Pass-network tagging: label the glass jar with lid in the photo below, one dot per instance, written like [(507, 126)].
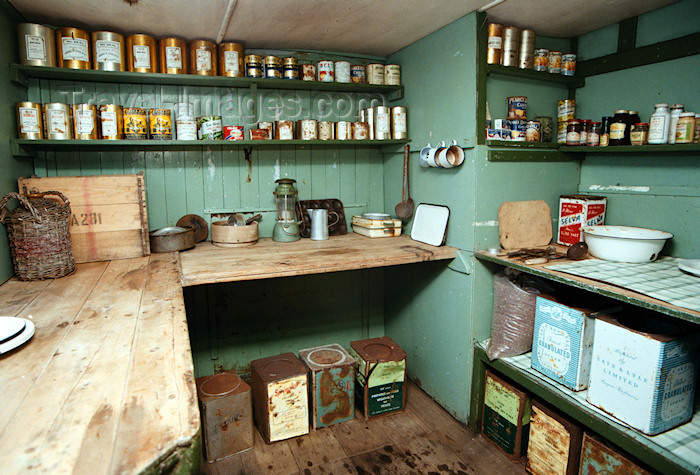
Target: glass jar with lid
[(619, 128), (676, 110), (639, 133), (593, 139), (573, 132), (685, 129)]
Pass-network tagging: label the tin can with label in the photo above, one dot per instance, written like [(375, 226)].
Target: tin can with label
[(357, 74), (526, 58), (382, 123), (326, 130), (342, 71), (186, 127), (532, 131), (231, 60), (511, 46), (343, 130), (399, 129), (141, 54), (29, 120), (160, 124), (209, 127), (561, 132), (85, 122), (554, 62), (326, 71), (545, 128), (284, 130), (360, 130), (185, 109), (290, 68), (308, 72), (568, 64), (203, 58), (392, 75), (37, 44), (172, 53), (73, 48), (541, 59), (495, 43), (375, 73), (517, 107), (58, 122), (566, 110), (368, 115), (135, 123), (233, 132), (273, 67), (108, 51), (259, 134), (253, 66), (270, 127), (518, 130), (307, 129), (111, 122)]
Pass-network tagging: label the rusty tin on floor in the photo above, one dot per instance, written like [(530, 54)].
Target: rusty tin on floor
[(280, 397), (506, 416), (226, 405), (598, 457), (554, 442), (380, 376), (331, 384)]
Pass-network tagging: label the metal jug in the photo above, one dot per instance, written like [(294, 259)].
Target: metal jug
[(319, 223)]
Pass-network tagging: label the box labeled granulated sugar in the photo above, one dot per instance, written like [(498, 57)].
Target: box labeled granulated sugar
[(576, 211)]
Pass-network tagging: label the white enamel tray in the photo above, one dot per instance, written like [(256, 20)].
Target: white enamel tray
[(430, 224), (14, 332)]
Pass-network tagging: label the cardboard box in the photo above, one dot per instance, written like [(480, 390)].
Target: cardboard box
[(562, 341), (506, 416), (576, 211), (554, 442), (600, 458), (643, 371)]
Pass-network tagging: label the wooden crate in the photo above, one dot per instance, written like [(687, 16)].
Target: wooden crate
[(108, 214), (506, 416), (554, 442)]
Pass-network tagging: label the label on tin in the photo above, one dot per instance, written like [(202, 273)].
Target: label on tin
[(202, 59), (58, 122), (383, 123), (325, 71), (231, 62), (285, 131), (288, 408), (109, 123), (495, 42), (399, 123), (160, 126), (28, 120), (357, 74), (142, 56), (343, 130), (617, 131), (36, 47), (74, 49), (173, 57), (186, 129), (135, 125), (85, 121), (210, 130), (107, 51)]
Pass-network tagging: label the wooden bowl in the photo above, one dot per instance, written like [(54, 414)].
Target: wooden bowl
[(226, 235)]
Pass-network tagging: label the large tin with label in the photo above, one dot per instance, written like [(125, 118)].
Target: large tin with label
[(506, 416), (231, 60), (554, 442), (112, 122), (37, 44), (331, 384), (141, 54), (57, 119), (108, 51), (203, 58), (380, 376), (280, 397), (85, 122), (172, 54), (73, 48), (29, 120)]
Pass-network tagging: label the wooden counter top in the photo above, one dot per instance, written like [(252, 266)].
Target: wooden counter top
[(207, 264)]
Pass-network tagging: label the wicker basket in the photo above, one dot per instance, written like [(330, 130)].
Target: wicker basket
[(39, 234)]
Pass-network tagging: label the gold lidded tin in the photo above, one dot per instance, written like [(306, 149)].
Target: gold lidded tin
[(172, 54), (37, 44), (135, 123), (231, 60), (112, 122), (526, 58), (284, 130), (399, 129), (392, 75), (511, 46), (326, 130), (375, 73), (141, 54), (29, 120), (202, 58), (160, 124), (253, 66), (495, 43), (85, 122), (270, 127), (58, 122), (360, 130), (357, 74), (308, 72), (108, 51), (73, 48), (290, 68), (273, 67), (307, 129)]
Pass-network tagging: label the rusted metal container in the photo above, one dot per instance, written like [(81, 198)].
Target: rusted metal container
[(308, 72), (280, 397), (326, 130), (331, 384), (202, 58), (172, 54), (399, 129), (343, 130), (270, 127), (29, 120), (112, 122), (392, 75), (85, 122), (231, 60), (382, 123), (360, 131), (307, 129), (380, 375), (506, 416), (226, 406), (73, 48), (598, 457), (375, 73), (37, 44), (141, 54), (284, 130), (554, 443), (108, 51)]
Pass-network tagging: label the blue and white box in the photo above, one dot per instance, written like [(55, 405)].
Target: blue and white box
[(562, 341)]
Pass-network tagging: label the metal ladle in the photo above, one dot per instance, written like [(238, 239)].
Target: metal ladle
[(404, 210)]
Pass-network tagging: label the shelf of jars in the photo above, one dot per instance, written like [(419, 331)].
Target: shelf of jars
[(664, 149), (571, 82)]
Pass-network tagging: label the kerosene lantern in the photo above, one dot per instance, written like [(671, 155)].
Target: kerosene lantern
[(286, 198)]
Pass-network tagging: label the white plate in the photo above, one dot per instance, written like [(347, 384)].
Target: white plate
[(690, 265), (19, 339), (430, 224), (10, 327)]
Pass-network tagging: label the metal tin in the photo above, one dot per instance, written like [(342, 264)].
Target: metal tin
[(495, 43), (541, 60), (326, 71), (141, 54), (270, 127), (37, 44), (532, 131), (357, 74), (259, 134), (597, 457), (135, 123), (511, 46), (685, 128), (326, 130), (343, 130), (209, 127), (392, 75), (505, 416), (183, 109), (342, 71), (273, 67), (233, 132), (173, 55), (561, 132), (58, 121), (375, 73), (308, 72), (554, 443), (380, 376), (517, 107), (160, 124), (231, 60), (85, 122), (253, 66), (368, 115), (568, 64), (382, 123), (331, 384), (112, 122), (280, 397), (172, 238), (518, 130), (108, 51), (73, 48), (186, 127), (554, 62), (307, 129), (566, 110), (29, 120), (284, 130), (360, 130), (203, 58), (545, 128), (526, 58), (399, 129), (290, 68)]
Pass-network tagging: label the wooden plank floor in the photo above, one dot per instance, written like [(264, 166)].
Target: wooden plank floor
[(424, 439)]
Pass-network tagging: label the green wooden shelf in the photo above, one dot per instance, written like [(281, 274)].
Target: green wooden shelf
[(510, 71), (521, 145), (634, 149)]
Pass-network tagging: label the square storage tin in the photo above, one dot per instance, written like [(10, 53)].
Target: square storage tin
[(554, 442), (644, 370), (331, 384), (380, 376), (599, 457), (506, 416), (576, 211), (280, 397)]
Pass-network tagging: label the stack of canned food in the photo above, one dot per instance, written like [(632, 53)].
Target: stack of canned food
[(69, 47), (517, 127), (511, 46)]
